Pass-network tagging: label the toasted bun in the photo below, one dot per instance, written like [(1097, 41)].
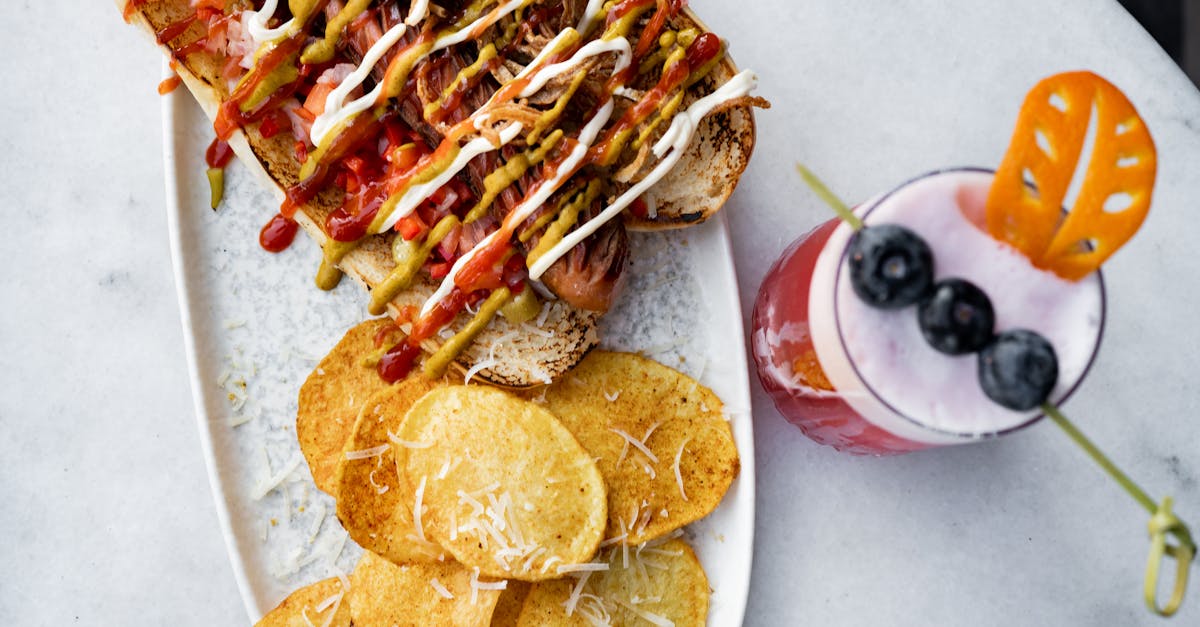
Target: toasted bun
[(698, 186), (516, 355)]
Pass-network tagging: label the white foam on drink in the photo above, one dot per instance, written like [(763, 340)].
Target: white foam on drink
[(887, 354)]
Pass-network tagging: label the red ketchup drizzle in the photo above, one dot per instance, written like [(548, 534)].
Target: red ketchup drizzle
[(168, 84), (277, 234), (703, 49), (398, 362), (218, 154), (230, 116), (171, 31)]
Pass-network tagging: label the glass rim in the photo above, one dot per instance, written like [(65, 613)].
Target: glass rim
[(837, 319)]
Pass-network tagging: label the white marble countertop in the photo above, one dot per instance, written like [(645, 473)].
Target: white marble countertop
[(107, 516)]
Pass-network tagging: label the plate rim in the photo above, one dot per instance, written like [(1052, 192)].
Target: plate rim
[(204, 423)]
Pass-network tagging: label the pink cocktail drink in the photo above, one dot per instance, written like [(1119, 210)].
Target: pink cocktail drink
[(864, 379)]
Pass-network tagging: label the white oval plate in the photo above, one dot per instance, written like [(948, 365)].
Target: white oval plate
[(255, 325)]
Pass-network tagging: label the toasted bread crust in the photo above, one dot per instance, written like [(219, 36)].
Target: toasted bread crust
[(518, 355)]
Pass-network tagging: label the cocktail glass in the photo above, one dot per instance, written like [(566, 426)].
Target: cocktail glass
[(863, 380)]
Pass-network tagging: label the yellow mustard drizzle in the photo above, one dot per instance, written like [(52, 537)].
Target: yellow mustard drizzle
[(302, 10), (549, 216), (665, 112), (284, 73), (428, 173), (322, 50), (328, 275), (404, 65), (617, 144), (486, 54), (437, 363), (507, 174), (409, 257), (566, 219), (625, 23), (318, 153), (547, 119)]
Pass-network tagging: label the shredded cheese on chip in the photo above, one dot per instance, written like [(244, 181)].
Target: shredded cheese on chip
[(420, 493), (678, 475), (374, 451), (582, 568), (660, 621), (441, 590), (573, 600), (406, 443), (636, 443)]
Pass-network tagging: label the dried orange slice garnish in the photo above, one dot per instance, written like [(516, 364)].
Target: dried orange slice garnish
[(1046, 146)]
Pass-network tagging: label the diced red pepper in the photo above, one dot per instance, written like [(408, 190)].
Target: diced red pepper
[(439, 270), (410, 227)]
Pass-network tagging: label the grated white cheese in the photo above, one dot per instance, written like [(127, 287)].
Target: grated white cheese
[(678, 475), (573, 600), (318, 521), (612, 396), (532, 330), (581, 568), (420, 493), (345, 581), (406, 443), (660, 621), (374, 451), (544, 313), (611, 541), (636, 443), (336, 604), (333, 598), (474, 585), (550, 562), (441, 590), (265, 486)]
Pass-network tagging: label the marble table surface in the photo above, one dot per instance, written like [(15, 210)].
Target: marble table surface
[(106, 514)]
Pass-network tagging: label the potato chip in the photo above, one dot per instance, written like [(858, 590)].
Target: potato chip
[(660, 583), (508, 609), (311, 605), (665, 449), (332, 396), (384, 594), (373, 504), (503, 486)]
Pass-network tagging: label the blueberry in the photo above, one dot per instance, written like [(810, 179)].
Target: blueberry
[(957, 318), (1018, 370), (890, 266)]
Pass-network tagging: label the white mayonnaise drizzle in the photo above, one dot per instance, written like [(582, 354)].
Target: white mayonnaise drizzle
[(417, 12), (587, 137), (591, 49), (589, 15), (672, 145), (447, 285), (336, 112), (488, 19), (416, 194), (258, 24)]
